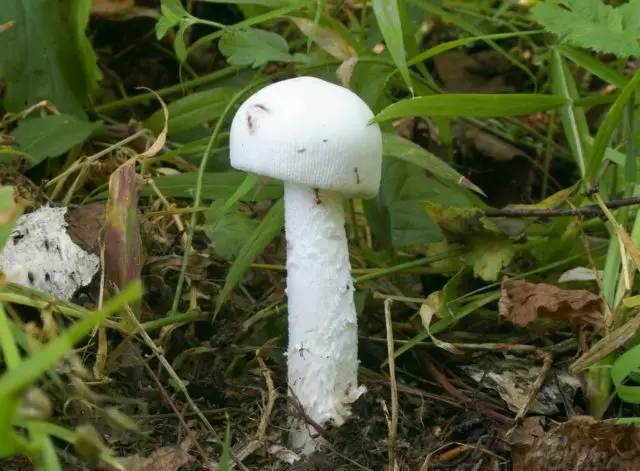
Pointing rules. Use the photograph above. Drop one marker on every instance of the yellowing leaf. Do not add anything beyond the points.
(329, 41)
(489, 255)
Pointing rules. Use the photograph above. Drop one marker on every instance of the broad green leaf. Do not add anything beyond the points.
(215, 186)
(255, 47)
(388, 17)
(489, 255)
(397, 215)
(593, 24)
(45, 55)
(404, 149)
(573, 119)
(611, 121)
(269, 227)
(192, 111)
(252, 21)
(229, 233)
(52, 135)
(468, 105)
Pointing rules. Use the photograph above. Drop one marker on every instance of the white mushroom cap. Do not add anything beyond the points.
(309, 132)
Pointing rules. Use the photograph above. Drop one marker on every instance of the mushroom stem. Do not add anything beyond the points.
(323, 333)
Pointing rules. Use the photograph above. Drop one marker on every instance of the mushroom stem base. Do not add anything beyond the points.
(323, 333)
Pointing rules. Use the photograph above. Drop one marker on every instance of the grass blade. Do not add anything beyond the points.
(467, 104)
(573, 120)
(388, 17)
(607, 127)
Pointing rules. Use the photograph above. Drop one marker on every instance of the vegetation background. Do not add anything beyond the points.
(495, 271)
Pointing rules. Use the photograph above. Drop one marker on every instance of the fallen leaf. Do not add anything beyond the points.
(582, 443)
(167, 458)
(522, 303)
(513, 378)
(329, 41)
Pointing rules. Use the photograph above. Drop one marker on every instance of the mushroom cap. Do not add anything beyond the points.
(309, 132)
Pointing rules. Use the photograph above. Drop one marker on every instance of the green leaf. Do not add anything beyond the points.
(489, 255)
(388, 17)
(269, 227)
(192, 111)
(404, 149)
(46, 56)
(397, 216)
(229, 233)
(255, 47)
(214, 186)
(593, 24)
(478, 105)
(52, 135)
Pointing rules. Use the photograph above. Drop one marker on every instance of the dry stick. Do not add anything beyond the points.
(393, 426)
(589, 210)
(547, 361)
(260, 437)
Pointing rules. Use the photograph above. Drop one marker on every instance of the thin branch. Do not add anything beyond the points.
(590, 210)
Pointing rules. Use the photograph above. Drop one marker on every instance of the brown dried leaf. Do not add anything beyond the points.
(167, 458)
(85, 225)
(522, 303)
(582, 443)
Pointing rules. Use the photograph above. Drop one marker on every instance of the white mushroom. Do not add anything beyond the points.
(315, 137)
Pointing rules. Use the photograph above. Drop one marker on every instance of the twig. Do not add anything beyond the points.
(589, 210)
(393, 425)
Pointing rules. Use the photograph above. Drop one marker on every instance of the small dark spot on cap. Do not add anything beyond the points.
(301, 150)
(47, 277)
(17, 237)
(262, 107)
(325, 140)
(31, 277)
(46, 244)
(250, 123)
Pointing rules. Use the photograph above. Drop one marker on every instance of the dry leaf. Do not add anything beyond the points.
(581, 443)
(329, 41)
(522, 303)
(168, 458)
